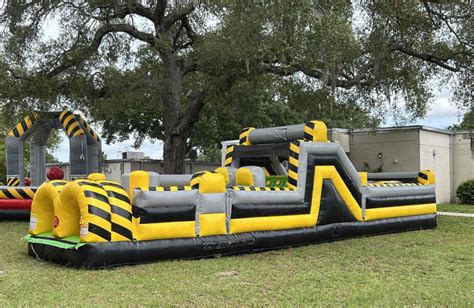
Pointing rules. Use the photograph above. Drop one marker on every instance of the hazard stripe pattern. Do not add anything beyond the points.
(70, 124)
(229, 155)
(244, 136)
(13, 181)
(121, 211)
(293, 164)
(308, 131)
(394, 184)
(98, 209)
(88, 129)
(21, 128)
(20, 193)
(167, 188)
(255, 188)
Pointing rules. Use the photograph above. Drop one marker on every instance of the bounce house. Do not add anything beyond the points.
(279, 187)
(84, 152)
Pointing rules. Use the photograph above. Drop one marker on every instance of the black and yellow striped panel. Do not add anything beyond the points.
(293, 164)
(13, 181)
(315, 131)
(121, 209)
(168, 188)
(254, 188)
(244, 136)
(21, 128)
(229, 155)
(88, 129)
(98, 208)
(392, 184)
(195, 178)
(70, 124)
(19, 193)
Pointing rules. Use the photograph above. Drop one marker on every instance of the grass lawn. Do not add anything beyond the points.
(460, 208)
(430, 267)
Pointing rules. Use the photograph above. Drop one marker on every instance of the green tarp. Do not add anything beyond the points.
(71, 242)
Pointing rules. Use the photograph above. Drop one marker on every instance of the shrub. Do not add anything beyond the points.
(465, 192)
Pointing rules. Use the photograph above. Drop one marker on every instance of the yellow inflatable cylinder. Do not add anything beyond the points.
(138, 179)
(96, 177)
(211, 183)
(426, 177)
(42, 207)
(244, 177)
(316, 131)
(67, 213)
(84, 210)
(225, 173)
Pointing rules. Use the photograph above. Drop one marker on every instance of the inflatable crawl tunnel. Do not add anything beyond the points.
(279, 187)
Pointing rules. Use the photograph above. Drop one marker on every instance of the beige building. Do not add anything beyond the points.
(114, 168)
(412, 148)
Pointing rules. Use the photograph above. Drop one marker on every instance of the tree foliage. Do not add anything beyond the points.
(192, 73)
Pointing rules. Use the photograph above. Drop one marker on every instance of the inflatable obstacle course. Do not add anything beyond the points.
(237, 208)
(85, 157)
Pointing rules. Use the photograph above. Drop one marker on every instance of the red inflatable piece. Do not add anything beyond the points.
(15, 204)
(55, 173)
(27, 182)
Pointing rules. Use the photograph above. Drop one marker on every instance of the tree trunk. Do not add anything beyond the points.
(174, 151)
(178, 118)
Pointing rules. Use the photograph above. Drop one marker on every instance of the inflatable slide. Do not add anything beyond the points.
(279, 187)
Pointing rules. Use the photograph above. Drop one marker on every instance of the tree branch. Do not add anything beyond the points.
(445, 18)
(178, 14)
(160, 10)
(137, 8)
(426, 57)
(193, 36)
(68, 62)
(190, 116)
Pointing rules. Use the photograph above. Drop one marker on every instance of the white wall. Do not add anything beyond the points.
(463, 160)
(400, 150)
(435, 155)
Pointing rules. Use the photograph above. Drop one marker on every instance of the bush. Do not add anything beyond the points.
(465, 192)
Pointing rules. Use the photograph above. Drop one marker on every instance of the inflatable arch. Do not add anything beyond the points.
(233, 209)
(84, 153)
(85, 156)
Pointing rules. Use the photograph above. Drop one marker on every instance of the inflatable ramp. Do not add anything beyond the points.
(319, 197)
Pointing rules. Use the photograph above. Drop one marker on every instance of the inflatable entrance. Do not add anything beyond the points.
(279, 187)
(85, 156)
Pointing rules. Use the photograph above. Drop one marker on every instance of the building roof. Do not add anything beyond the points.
(408, 127)
(150, 160)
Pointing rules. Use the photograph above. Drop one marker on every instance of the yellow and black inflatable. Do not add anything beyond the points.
(148, 217)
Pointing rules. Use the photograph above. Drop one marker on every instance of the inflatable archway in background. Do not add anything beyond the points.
(85, 153)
